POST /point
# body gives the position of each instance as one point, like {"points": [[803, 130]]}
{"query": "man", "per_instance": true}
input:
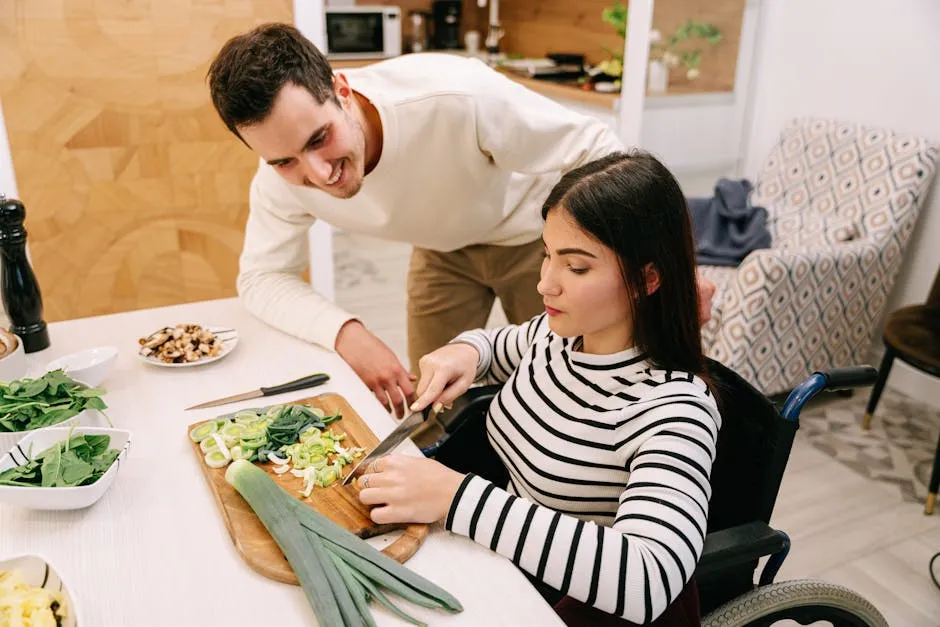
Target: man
{"points": [[435, 150]]}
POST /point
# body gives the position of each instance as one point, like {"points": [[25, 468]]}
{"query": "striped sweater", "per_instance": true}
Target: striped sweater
{"points": [[609, 463]]}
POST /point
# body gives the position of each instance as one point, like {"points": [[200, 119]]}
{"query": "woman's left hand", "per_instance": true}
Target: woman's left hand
{"points": [[408, 489], [706, 292]]}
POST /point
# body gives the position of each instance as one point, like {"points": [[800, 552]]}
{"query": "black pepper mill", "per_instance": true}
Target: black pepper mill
{"points": [[20, 290]]}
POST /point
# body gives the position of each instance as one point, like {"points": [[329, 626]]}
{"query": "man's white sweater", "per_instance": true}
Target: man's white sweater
{"points": [[468, 157]]}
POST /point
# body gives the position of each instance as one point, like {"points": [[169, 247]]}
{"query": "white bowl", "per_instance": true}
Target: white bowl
{"points": [[90, 366], [60, 498], [86, 418], [37, 571], [13, 366]]}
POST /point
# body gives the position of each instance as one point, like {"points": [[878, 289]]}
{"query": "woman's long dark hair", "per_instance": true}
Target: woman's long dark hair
{"points": [[633, 205]]}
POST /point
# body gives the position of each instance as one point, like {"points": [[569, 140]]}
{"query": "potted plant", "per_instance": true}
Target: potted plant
{"points": [[665, 55], [679, 49]]}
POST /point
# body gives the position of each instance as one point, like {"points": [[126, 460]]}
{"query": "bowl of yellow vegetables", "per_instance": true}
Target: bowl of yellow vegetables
{"points": [[34, 593]]}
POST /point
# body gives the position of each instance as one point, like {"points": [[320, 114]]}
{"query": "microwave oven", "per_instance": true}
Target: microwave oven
{"points": [[363, 32]]}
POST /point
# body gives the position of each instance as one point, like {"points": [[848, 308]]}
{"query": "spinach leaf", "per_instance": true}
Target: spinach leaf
{"points": [[102, 462], [97, 444], [21, 475], [74, 470], [52, 466], [78, 460], [35, 387], [27, 404]]}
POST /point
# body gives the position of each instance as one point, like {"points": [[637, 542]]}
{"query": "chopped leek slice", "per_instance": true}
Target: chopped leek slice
{"points": [[233, 430], [221, 445], [215, 459], [247, 417], [201, 432], [238, 452], [277, 460]]}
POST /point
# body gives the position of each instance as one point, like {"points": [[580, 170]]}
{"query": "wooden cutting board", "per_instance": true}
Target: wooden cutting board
{"points": [[337, 502]]}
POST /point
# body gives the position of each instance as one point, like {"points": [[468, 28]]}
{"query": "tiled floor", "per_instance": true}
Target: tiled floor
{"points": [[845, 528]]}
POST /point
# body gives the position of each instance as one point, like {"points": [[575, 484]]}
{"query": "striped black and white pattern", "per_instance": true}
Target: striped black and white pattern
{"points": [[609, 463]]}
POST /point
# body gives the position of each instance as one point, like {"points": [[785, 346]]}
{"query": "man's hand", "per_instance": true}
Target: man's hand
{"points": [[376, 365], [706, 292]]}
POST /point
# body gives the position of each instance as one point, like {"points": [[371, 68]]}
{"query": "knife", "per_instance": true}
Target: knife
{"points": [[404, 429], [309, 381]]}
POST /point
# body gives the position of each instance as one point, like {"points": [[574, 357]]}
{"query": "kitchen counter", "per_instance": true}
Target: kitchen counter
{"points": [[568, 91], [551, 89]]}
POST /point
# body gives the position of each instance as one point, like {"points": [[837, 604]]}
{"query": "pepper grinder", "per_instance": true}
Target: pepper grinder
{"points": [[20, 290]]}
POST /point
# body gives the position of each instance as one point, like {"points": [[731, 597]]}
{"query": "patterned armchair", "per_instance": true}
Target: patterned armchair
{"points": [[842, 200]]}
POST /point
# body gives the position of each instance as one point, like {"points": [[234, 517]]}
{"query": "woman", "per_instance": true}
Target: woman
{"points": [[605, 422]]}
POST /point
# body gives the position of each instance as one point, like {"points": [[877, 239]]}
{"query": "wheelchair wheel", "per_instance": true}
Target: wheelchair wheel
{"points": [[804, 601]]}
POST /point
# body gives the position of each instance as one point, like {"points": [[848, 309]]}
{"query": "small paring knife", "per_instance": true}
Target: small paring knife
{"points": [[302, 383]]}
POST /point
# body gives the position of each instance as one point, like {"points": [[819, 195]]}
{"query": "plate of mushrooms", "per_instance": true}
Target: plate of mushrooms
{"points": [[185, 345]]}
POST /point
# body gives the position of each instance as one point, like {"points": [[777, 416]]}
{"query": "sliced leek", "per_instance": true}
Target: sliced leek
{"points": [[201, 432], [216, 459]]}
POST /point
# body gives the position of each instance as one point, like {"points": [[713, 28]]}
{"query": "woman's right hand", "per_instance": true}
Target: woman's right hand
{"points": [[445, 375]]}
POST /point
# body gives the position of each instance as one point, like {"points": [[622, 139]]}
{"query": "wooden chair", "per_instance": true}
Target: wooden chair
{"points": [[912, 334]]}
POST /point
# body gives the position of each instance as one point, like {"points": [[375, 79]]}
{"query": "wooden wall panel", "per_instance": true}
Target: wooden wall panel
{"points": [[719, 62], [537, 27], [136, 194]]}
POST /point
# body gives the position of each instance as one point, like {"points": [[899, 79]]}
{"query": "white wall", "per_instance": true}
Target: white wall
{"points": [[309, 20], [7, 178], [873, 61]]}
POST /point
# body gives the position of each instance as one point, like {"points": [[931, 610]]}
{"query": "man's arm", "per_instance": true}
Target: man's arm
{"points": [[526, 132], [272, 260], [270, 285]]}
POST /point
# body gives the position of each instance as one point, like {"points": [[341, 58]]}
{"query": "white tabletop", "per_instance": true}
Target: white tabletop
{"points": [[154, 551]]}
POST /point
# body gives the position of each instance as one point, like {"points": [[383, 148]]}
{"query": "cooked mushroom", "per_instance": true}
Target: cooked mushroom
{"points": [[181, 343]]}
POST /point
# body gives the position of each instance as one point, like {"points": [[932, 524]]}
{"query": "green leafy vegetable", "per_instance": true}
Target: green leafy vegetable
{"points": [[27, 404], [338, 571], [78, 460], [290, 422]]}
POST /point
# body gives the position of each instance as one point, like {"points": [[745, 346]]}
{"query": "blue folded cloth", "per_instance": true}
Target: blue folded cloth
{"points": [[727, 227]]}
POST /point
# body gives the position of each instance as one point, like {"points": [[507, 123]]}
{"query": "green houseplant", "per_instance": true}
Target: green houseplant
{"points": [[680, 48]]}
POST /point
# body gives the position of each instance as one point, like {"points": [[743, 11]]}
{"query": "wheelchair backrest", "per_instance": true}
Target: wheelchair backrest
{"points": [[754, 445]]}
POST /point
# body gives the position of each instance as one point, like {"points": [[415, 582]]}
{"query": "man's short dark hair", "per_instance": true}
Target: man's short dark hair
{"points": [[251, 68]]}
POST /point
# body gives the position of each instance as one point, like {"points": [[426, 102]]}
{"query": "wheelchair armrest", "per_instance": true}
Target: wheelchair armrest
{"points": [[851, 377], [738, 545], [473, 402]]}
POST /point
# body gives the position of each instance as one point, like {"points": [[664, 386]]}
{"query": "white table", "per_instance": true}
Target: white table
{"points": [[154, 551]]}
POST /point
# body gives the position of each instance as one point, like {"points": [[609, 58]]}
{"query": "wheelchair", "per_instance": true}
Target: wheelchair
{"points": [[753, 447]]}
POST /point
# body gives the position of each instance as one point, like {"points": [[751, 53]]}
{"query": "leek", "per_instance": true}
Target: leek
{"points": [[273, 510], [344, 599], [342, 540], [389, 580], [356, 589], [338, 571], [376, 594]]}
